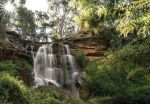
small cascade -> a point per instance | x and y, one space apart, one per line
54 64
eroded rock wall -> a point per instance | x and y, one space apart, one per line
93 47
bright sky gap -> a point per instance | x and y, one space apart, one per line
37 5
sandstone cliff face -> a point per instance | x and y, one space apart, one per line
93 47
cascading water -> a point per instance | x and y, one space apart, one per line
54 64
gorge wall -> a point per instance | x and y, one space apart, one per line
94 46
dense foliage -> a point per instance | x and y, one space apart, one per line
12 90
80 58
123 74
25 22
130 17
21 69
46 95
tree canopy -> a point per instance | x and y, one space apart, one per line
130 17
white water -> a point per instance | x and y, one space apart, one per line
54 64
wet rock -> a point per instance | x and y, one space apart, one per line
80 79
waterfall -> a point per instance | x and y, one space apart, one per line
54 64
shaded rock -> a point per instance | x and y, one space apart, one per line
79 79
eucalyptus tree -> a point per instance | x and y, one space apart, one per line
57 21
42 22
136 19
95 14
126 16
90 13
25 22
61 17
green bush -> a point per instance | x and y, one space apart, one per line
46 95
76 100
48 100
115 42
137 95
137 51
126 68
12 90
21 69
91 67
109 80
105 82
80 58
51 95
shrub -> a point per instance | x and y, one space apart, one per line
104 82
48 100
115 42
80 58
46 95
21 69
108 80
76 100
137 51
137 95
120 70
12 90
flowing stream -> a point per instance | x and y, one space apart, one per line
54 64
